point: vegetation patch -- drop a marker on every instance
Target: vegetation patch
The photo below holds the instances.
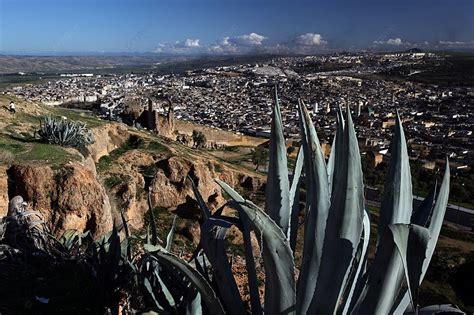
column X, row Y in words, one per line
column 155, row 146
column 49, row 153
column 105, row 162
column 113, row 181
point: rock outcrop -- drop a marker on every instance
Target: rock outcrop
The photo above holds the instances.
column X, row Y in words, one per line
column 3, row 191
column 69, row 198
column 166, row 177
column 106, row 139
column 171, row 188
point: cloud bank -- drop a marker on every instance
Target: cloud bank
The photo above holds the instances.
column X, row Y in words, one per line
column 310, row 39
column 306, row 43
column 391, row 41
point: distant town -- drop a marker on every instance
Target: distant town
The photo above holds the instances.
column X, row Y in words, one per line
column 438, row 119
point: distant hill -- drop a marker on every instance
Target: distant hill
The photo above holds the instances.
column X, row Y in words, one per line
column 413, row 50
column 118, row 63
column 14, row 64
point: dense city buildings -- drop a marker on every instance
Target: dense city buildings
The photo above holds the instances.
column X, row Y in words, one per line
column 438, row 119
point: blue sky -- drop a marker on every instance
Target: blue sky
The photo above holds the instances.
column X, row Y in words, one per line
column 232, row 26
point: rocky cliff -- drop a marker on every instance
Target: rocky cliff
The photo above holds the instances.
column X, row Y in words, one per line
column 167, row 178
column 75, row 196
column 68, row 198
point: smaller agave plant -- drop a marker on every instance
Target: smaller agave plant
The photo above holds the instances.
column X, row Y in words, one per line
column 64, row 132
column 334, row 276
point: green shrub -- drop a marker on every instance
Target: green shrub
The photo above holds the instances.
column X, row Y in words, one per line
column 64, row 132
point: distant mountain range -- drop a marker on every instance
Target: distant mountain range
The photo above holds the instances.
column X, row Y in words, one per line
column 117, row 63
column 23, row 63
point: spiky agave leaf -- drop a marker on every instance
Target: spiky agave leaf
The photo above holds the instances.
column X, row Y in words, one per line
column 434, row 228
column 360, row 263
column 317, row 208
column 151, row 274
column 280, row 292
column 344, row 226
column 277, row 201
column 397, row 202
column 207, row 293
column 202, row 205
column 396, row 208
column 194, row 308
column 404, row 245
column 396, row 205
column 422, row 215
column 249, row 262
column 192, row 275
column 295, row 198
column 170, row 236
column 154, row 232
column 213, row 233
column 336, row 148
column 213, row 244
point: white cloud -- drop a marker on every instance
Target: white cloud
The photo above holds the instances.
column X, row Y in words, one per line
column 224, row 41
column 179, row 47
column 451, row 43
column 252, row 39
column 310, row 39
column 237, row 44
column 394, row 41
column 391, row 41
column 191, row 43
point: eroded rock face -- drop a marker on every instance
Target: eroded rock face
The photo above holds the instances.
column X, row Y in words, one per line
column 3, row 191
column 107, row 138
column 170, row 187
column 167, row 178
column 69, row 198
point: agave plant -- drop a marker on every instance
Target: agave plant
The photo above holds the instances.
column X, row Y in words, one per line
column 64, row 132
column 334, row 275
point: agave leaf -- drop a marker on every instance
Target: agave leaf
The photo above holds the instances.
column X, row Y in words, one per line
column 277, row 202
column 277, row 257
column 384, row 279
column 344, row 225
column 149, row 288
column 295, row 198
column 124, row 223
column 249, row 262
column 169, row 238
column 69, row 238
column 209, row 296
column 336, row 148
column 316, row 213
column 411, row 242
column 112, row 255
column 169, row 297
column 194, row 308
column 400, row 258
column 231, row 192
column 353, row 282
column 434, row 228
column 280, row 290
column 422, row 215
column 202, row 205
column 126, row 251
column 213, row 234
column 437, row 217
column 396, row 208
column 154, row 232
column 397, row 202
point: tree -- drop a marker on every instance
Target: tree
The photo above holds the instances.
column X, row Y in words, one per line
column 199, row 139
column 259, row 156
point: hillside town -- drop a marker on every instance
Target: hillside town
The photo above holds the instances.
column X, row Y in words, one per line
column 437, row 119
